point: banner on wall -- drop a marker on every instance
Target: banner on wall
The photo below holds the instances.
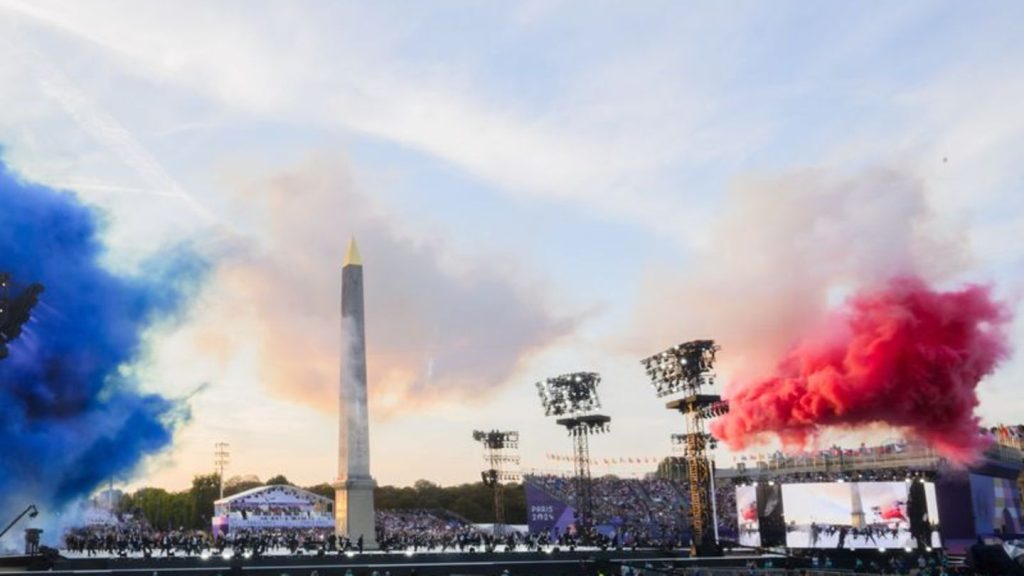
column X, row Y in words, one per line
column 544, row 512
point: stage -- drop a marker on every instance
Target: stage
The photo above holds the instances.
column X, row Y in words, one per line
column 551, row 563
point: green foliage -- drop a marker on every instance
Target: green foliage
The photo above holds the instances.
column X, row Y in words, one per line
column 279, row 480
column 193, row 508
column 323, row 489
column 232, row 488
column 205, row 490
column 161, row 508
column 474, row 502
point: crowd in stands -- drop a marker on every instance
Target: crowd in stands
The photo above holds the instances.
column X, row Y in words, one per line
column 1011, row 436
column 780, row 459
column 897, row 474
column 649, row 511
column 423, row 529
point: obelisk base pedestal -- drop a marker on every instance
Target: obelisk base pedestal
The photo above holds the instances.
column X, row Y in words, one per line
column 353, row 511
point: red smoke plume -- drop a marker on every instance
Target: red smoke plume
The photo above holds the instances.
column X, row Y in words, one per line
column 903, row 355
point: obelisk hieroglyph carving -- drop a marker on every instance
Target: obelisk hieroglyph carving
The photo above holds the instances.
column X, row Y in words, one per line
column 353, row 505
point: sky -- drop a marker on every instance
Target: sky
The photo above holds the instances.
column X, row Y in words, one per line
column 536, row 188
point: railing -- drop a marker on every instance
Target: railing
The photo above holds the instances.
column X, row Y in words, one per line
column 1011, row 450
column 842, row 460
column 857, row 460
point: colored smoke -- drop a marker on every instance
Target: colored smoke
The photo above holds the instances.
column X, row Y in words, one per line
column 904, row 355
column 71, row 413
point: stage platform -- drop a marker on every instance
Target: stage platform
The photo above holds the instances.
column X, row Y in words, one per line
column 552, row 563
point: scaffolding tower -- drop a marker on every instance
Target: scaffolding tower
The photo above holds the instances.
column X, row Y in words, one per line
column 499, row 453
column 689, row 369
column 574, row 396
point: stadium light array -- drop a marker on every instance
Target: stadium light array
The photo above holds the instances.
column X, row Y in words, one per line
column 497, row 439
column 498, row 446
column 683, row 368
column 574, row 393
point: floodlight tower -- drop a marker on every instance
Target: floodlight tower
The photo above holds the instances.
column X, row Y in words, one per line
column 15, row 312
column 689, row 369
column 574, row 396
column 499, row 453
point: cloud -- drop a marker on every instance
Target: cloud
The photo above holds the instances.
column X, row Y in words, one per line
column 787, row 247
column 607, row 140
column 440, row 327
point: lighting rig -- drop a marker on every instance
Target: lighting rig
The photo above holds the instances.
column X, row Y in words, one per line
column 15, row 312
column 31, row 511
column 499, row 453
column 689, row 369
column 574, row 397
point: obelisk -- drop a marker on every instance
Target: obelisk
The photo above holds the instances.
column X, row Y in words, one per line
column 353, row 504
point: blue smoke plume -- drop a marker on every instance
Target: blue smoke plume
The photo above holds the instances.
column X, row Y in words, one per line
column 71, row 414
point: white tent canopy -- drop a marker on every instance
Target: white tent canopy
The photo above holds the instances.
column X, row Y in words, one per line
column 269, row 507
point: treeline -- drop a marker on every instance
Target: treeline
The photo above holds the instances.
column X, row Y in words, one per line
column 193, row 508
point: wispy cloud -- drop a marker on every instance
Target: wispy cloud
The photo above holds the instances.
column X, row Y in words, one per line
column 102, row 126
column 440, row 327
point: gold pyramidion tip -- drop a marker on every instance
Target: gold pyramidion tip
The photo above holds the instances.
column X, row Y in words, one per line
column 352, row 254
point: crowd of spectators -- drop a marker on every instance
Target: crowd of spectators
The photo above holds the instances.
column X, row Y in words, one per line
column 642, row 512
column 780, row 459
column 424, row 529
column 895, row 474
column 1010, row 436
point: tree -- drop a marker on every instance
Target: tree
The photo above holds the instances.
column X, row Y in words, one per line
column 205, row 490
column 193, row 508
column 323, row 489
column 475, row 502
column 237, row 484
column 162, row 509
column 279, row 480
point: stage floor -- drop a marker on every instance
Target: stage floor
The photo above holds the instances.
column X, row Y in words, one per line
column 549, row 563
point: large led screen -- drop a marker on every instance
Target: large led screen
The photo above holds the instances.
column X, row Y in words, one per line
column 857, row 514
column 996, row 505
column 746, row 516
